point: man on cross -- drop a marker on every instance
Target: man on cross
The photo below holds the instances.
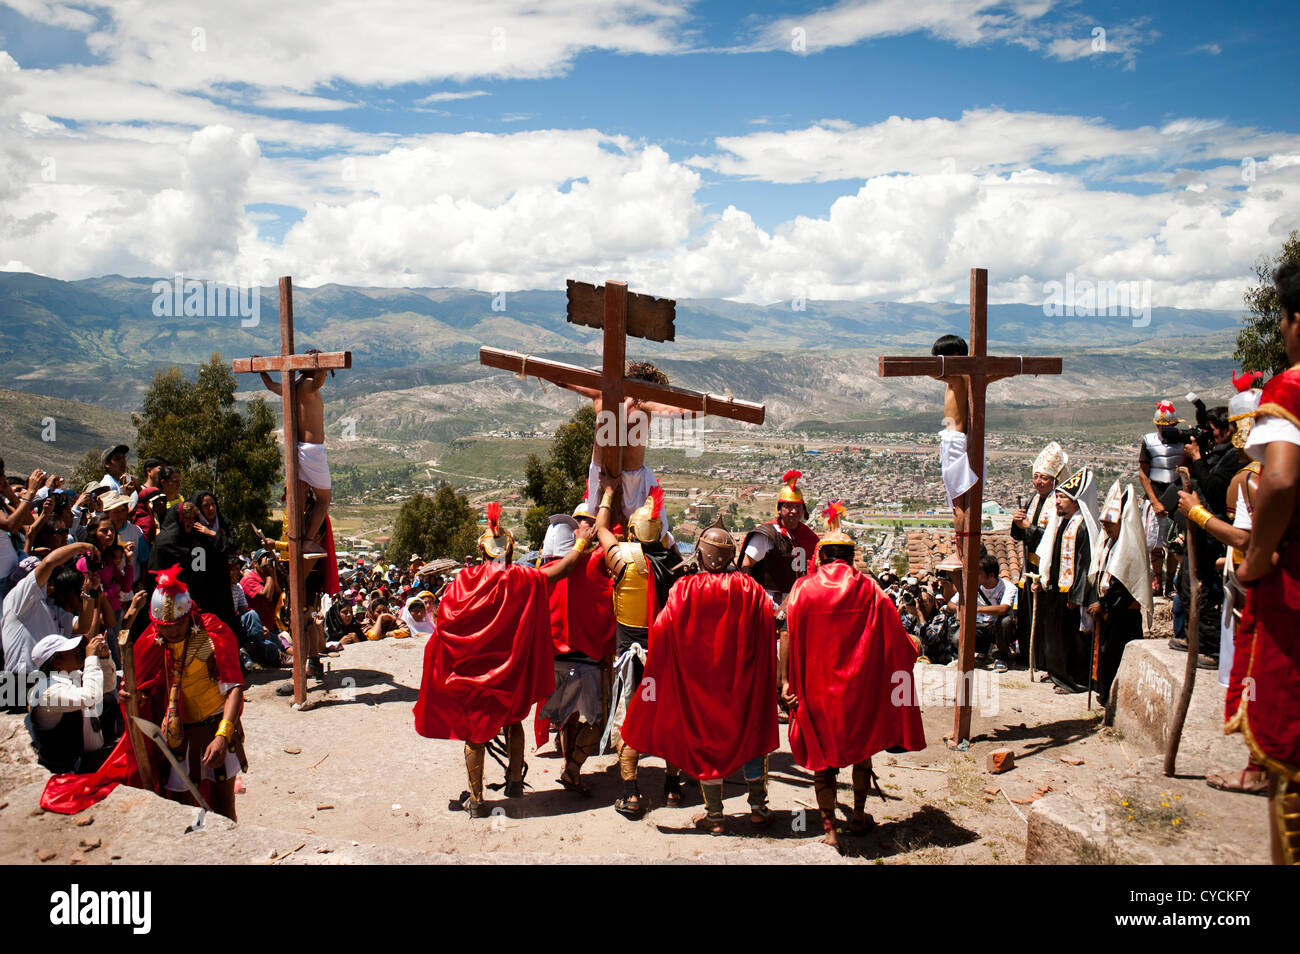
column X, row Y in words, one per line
column 313, row 465
column 637, row 478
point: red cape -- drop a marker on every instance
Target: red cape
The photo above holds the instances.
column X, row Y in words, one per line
column 582, row 608
column 851, row 670
column 582, row 617
column 712, row 704
column 69, row 794
column 331, row 567
column 490, row 658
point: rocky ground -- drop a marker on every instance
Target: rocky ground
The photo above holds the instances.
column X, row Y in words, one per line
column 350, row 781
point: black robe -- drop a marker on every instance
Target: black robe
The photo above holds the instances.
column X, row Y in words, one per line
column 1067, row 653
column 1031, row 536
column 209, row 587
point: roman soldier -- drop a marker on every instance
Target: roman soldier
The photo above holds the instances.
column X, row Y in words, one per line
column 1159, row 457
column 643, row 568
column 1269, row 716
column 1064, row 558
column 712, row 662
column 1119, row 587
column 844, row 652
column 1027, row 526
column 777, row 553
column 490, row 659
column 189, row 683
column 582, row 634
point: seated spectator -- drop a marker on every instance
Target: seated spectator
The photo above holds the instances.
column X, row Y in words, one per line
column 342, row 628
column 261, row 586
column 259, row 647
column 75, row 717
column 52, row 598
column 994, row 621
column 415, row 618
column 379, row 621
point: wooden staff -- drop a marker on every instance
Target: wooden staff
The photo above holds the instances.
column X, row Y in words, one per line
column 1030, row 580
column 143, row 765
column 1193, row 641
column 1096, row 653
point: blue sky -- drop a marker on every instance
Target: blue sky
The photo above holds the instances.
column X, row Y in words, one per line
column 686, row 145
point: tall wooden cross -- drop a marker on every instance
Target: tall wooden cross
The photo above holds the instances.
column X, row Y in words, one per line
column 977, row 367
column 288, row 364
column 619, row 314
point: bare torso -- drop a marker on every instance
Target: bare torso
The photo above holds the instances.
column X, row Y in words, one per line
column 311, row 416
column 638, row 427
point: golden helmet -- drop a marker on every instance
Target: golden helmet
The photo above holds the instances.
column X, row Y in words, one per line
column 496, row 540
column 790, row 493
column 834, row 536
column 646, row 525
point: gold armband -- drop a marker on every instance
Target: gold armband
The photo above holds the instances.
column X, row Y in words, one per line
column 580, row 545
column 1199, row 516
column 226, row 730
column 608, row 499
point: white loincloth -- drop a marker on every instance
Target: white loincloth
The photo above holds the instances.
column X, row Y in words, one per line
column 957, row 475
column 636, row 488
column 313, row 466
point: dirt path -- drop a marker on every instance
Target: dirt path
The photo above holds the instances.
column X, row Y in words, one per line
column 388, row 789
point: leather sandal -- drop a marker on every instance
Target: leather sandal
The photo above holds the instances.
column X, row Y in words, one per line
column 1238, row 783
column 570, row 785
column 630, row 806
column 713, row 824
column 673, row 791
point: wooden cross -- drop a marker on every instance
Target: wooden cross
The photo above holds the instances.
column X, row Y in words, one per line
column 288, row 364
column 610, row 308
column 977, row 367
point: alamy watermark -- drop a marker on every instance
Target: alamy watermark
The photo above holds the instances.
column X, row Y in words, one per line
column 1081, row 298
column 685, row 432
column 192, row 298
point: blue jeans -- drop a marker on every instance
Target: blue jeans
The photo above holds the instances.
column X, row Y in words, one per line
column 262, row 648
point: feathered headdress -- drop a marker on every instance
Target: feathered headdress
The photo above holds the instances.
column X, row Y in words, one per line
column 1241, row 409
column 790, row 493
column 833, row 513
column 171, row 599
column 495, row 540
column 656, row 501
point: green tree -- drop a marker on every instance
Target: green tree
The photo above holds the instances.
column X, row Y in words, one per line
column 1259, row 343
column 900, row 564
column 556, row 485
column 437, row 527
column 196, row 426
column 88, row 468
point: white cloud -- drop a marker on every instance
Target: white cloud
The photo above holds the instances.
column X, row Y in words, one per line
column 448, row 97
column 981, row 140
column 283, row 99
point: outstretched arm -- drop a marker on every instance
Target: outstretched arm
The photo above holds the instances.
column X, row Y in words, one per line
column 603, row 533
column 560, row 568
column 586, row 392
column 270, row 383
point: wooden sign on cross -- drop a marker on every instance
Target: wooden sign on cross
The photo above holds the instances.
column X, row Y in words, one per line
column 618, row 314
column 288, row 364
column 978, row 367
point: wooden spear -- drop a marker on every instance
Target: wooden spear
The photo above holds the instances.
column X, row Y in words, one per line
column 1193, row 641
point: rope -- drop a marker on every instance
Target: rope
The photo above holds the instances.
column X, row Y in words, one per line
column 1022, row 364
column 705, row 401
column 943, row 366
column 523, row 370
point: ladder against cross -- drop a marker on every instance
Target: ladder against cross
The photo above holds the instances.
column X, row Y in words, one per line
column 979, row 368
column 288, row 363
column 618, row 314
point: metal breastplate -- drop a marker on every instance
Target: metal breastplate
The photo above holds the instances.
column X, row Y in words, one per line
column 1165, row 458
column 630, row 590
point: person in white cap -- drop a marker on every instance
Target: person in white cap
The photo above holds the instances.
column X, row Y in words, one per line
column 1065, row 556
column 74, row 731
column 52, row 598
column 1027, row 525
